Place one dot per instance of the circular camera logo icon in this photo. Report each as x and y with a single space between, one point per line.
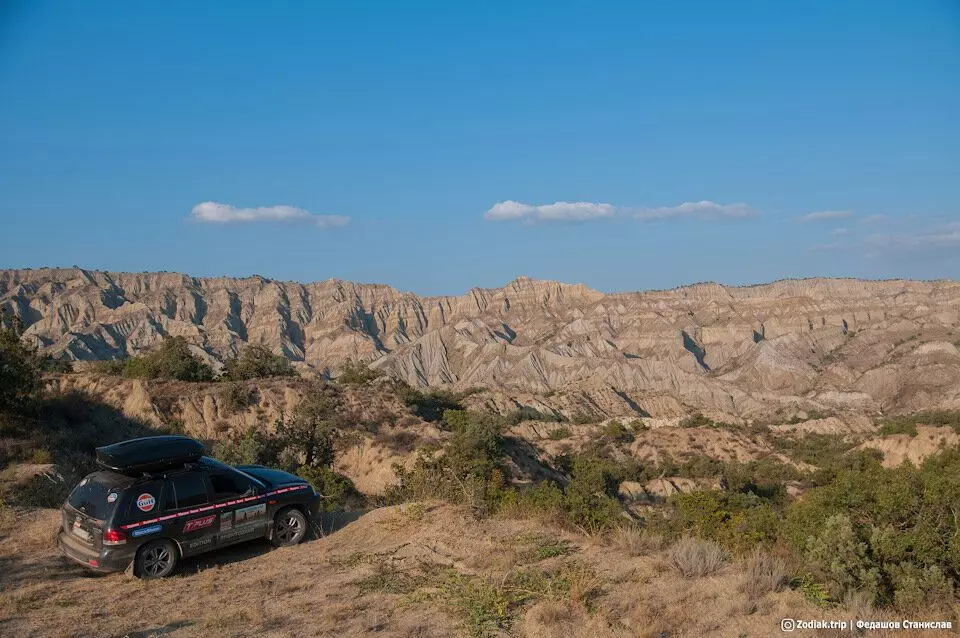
788 624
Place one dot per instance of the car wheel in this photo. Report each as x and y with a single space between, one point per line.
289 527
156 560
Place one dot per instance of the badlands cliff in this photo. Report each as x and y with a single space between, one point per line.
825 344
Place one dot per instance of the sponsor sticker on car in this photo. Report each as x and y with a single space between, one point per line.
199 523
146 531
112 496
146 502
248 515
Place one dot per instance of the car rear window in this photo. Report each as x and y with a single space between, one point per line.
93 495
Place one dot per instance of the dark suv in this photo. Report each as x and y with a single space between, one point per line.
158 499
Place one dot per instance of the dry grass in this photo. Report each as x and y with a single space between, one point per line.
634 541
696 558
763 573
442 574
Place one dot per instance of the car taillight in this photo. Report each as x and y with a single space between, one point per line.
114 537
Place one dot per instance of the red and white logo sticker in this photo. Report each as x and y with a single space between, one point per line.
146 502
199 523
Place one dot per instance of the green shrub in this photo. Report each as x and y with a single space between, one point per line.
559 433
739 522
617 432
888 532
697 420
430 406
337 490
171 360
257 362
821 450
583 418
356 373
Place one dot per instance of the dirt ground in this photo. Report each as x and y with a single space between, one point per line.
412 570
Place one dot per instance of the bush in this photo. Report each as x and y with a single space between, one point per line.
356 373
890 533
697 420
432 405
559 433
172 360
764 573
337 490
616 432
696 558
257 362
466 471
236 397
739 522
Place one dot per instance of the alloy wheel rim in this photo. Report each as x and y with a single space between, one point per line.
289 528
156 560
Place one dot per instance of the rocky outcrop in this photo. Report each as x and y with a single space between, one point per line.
827 344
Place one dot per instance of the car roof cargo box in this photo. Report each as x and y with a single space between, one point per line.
149 454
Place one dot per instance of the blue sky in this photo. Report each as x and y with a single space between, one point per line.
425 145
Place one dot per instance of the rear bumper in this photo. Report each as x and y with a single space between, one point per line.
110 559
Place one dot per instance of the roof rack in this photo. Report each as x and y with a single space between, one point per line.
149 454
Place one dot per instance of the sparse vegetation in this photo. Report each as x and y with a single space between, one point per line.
356 373
907 424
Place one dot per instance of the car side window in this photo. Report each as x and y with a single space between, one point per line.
229 484
189 490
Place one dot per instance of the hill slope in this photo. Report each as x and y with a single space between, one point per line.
413 570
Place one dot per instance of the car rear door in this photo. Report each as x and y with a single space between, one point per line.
190 513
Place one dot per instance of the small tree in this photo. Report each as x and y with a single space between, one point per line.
19 367
310 432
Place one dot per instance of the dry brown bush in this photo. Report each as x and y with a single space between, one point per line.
634 541
695 557
763 573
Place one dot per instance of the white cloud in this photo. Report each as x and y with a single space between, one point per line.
822 248
946 236
837 232
556 212
824 215
873 219
703 209
588 211
215 213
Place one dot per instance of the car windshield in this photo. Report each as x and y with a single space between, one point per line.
214 463
98 494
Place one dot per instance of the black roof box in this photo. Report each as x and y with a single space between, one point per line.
149 454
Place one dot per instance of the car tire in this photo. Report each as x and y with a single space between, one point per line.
156 559
289 527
